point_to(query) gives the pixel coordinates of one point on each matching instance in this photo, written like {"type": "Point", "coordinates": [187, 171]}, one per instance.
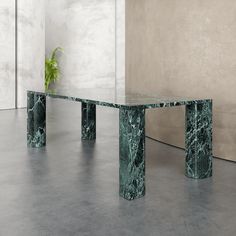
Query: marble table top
{"type": "Point", "coordinates": [119, 99]}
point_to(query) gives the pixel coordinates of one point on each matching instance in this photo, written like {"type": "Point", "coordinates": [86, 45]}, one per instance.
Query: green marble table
{"type": "Point", "coordinates": [198, 132]}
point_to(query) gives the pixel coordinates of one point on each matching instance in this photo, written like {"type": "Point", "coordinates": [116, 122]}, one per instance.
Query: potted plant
{"type": "Point", "coordinates": [52, 71]}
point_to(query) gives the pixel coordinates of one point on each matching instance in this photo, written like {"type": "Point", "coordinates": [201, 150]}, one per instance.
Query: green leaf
{"type": "Point", "coordinates": [52, 71]}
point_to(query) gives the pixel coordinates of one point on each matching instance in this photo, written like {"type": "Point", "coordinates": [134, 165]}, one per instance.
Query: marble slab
{"type": "Point", "coordinates": [132, 108]}
{"type": "Point", "coordinates": [119, 99]}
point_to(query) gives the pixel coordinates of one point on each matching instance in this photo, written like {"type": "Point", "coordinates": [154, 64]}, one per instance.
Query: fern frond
{"type": "Point", "coordinates": [52, 70]}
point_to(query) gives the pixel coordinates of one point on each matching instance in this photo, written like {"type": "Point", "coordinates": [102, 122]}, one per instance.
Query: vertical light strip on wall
{"type": "Point", "coordinates": [16, 54]}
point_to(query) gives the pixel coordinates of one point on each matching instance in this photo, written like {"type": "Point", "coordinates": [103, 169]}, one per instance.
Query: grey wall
{"type": "Point", "coordinates": [120, 44]}
{"type": "Point", "coordinates": [184, 48]}
{"type": "Point", "coordinates": [92, 33]}
{"type": "Point", "coordinates": [7, 55]}
{"type": "Point", "coordinates": [85, 29]}
{"type": "Point", "coordinates": [30, 50]}
{"type": "Point", "coordinates": [31, 47]}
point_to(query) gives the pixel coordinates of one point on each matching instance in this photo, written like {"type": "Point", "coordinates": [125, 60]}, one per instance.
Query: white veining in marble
{"type": "Point", "coordinates": [7, 55]}
{"type": "Point", "coordinates": [85, 29]}
{"type": "Point", "coordinates": [31, 47]}
{"type": "Point", "coordinates": [120, 44]}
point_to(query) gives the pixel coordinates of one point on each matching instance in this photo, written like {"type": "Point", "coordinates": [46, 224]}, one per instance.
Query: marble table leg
{"type": "Point", "coordinates": [199, 140]}
{"type": "Point", "coordinates": [36, 120]}
{"type": "Point", "coordinates": [132, 153]}
{"type": "Point", "coordinates": [88, 125]}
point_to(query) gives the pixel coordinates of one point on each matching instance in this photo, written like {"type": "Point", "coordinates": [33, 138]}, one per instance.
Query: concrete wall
{"type": "Point", "coordinates": [184, 48]}
{"type": "Point", "coordinates": [7, 55]}
{"type": "Point", "coordinates": [31, 47]}
{"type": "Point", "coordinates": [92, 33]}
{"type": "Point", "coordinates": [120, 44]}
{"type": "Point", "coordinates": [85, 29]}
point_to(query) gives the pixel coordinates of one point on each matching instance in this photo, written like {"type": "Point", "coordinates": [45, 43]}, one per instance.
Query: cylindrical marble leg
{"type": "Point", "coordinates": [88, 121]}
{"type": "Point", "coordinates": [199, 140]}
{"type": "Point", "coordinates": [132, 153]}
{"type": "Point", "coordinates": [36, 119]}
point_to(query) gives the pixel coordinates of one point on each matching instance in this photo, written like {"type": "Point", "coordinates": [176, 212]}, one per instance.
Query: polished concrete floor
{"type": "Point", "coordinates": [71, 187]}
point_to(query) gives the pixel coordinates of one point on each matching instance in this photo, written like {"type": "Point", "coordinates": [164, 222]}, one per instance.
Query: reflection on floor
{"type": "Point", "coordinates": [71, 187]}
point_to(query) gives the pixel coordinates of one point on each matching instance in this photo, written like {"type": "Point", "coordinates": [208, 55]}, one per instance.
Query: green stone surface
{"type": "Point", "coordinates": [88, 122]}
{"type": "Point", "coordinates": [36, 120]}
{"type": "Point", "coordinates": [132, 153]}
{"type": "Point", "coordinates": [199, 140]}
{"type": "Point", "coordinates": [119, 99]}
{"type": "Point", "coordinates": [132, 129]}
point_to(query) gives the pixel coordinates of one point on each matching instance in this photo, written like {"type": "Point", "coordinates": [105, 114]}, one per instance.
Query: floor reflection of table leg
{"type": "Point", "coordinates": [88, 124]}
{"type": "Point", "coordinates": [36, 119]}
{"type": "Point", "coordinates": [199, 140]}
{"type": "Point", "coordinates": [132, 153]}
